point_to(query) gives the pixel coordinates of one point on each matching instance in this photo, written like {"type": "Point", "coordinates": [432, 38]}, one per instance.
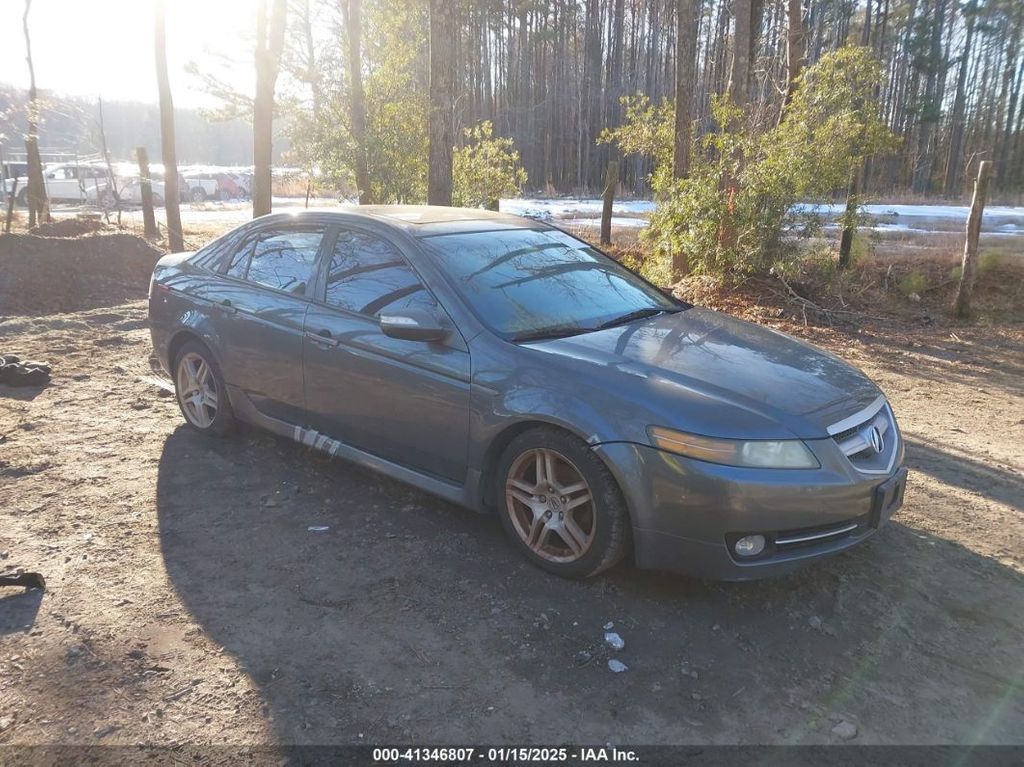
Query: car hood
{"type": "Point", "coordinates": [709, 359]}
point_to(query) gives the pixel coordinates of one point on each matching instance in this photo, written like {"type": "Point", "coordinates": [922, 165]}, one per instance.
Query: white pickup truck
{"type": "Point", "coordinates": [68, 182]}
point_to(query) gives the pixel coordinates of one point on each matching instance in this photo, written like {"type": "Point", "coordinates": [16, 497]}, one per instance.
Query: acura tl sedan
{"type": "Point", "coordinates": [506, 366]}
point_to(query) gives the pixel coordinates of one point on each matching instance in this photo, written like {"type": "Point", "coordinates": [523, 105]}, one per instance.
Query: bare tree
{"type": "Point", "coordinates": [688, 15]}
{"type": "Point", "coordinates": [353, 26]}
{"type": "Point", "coordinates": [739, 80]}
{"type": "Point", "coordinates": [795, 49]}
{"type": "Point", "coordinates": [38, 204]}
{"type": "Point", "coordinates": [269, 45]}
{"type": "Point", "coordinates": [175, 238]}
{"type": "Point", "coordinates": [442, 94]}
{"type": "Point", "coordinates": [111, 177]}
{"type": "Point", "coordinates": [962, 304]}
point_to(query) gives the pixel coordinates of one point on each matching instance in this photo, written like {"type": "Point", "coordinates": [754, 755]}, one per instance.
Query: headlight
{"type": "Point", "coordinates": [753, 453]}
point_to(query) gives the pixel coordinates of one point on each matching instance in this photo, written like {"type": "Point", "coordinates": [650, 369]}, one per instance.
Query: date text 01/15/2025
{"type": "Point", "coordinates": [504, 754]}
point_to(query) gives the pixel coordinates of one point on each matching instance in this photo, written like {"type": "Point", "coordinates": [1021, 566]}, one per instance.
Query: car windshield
{"type": "Point", "coordinates": [529, 284]}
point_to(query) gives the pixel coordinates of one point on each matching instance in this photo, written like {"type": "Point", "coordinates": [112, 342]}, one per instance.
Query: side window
{"type": "Point", "coordinates": [368, 275]}
{"type": "Point", "coordinates": [283, 260]}
{"type": "Point", "coordinates": [240, 260]}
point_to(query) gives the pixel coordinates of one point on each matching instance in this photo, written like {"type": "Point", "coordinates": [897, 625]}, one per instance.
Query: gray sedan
{"type": "Point", "coordinates": [507, 366]}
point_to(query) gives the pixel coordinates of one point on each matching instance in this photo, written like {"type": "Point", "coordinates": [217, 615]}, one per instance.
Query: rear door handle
{"type": "Point", "coordinates": [226, 306]}
{"type": "Point", "coordinates": [322, 337]}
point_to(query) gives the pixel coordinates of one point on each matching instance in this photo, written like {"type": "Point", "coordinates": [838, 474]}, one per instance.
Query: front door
{"type": "Point", "coordinates": [259, 306]}
{"type": "Point", "coordinates": [405, 401]}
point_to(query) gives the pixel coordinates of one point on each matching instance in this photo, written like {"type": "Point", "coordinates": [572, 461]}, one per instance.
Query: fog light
{"type": "Point", "coordinates": [749, 546]}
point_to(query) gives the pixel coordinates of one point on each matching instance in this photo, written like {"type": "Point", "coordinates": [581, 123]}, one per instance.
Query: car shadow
{"type": "Point", "coordinates": [18, 610]}
{"type": "Point", "coordinates": [962, 470]}
{"type": "Point", "coordinates": [23, 393]}
{"type": "Point", "coordinates": [367, 612]}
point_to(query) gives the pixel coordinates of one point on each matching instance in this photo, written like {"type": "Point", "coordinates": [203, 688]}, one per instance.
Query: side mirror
{"type": "Point", "coordinates": [412, 325]}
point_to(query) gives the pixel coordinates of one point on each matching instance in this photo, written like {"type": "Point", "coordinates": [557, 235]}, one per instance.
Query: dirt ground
{"type": "Point", "coordinates": [189, 600]}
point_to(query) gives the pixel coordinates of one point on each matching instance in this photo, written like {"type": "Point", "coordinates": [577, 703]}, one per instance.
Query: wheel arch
{"type": "Point", "coordinates": [183, 336]}
{"type": "Point", "coordinates": [501, 440]}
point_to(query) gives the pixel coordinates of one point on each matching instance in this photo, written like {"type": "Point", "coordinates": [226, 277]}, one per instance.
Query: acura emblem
{"type": "Point", "coordinates": [874, 437]}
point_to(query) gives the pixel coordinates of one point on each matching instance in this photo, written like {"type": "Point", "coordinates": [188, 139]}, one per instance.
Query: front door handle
{"type": "Point", "coordinates": [322, 337]}
{"type": "Point", "coordinates": [226, 306]}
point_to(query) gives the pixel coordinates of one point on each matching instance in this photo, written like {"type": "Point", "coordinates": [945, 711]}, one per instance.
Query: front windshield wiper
{"type": "Point", "coordinates": [560, 331]}
{"type": "Point", "coordinates": [638, 314]}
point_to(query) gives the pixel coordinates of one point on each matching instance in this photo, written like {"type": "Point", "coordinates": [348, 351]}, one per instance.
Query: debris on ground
{"type": "Point", "coordinates": [15, 371]}
{"type": "Point", "coordinates": [845, 730]}
{"type": "Point", "coordinates": [613, 640]}
{"type": "Point", "coordinates": [318, 528]}
{"type": "Point", "coordinates": [27, 580]}
{"type": "Point", "coordinates": [617, 666]}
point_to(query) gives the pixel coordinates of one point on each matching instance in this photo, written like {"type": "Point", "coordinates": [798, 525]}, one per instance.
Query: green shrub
{"type": "Point", "coordinates": [914, 282]}
{"type": "Point", "coordinates": [485, 169]}
{"type": "Point", "coordinates": [734, 213]}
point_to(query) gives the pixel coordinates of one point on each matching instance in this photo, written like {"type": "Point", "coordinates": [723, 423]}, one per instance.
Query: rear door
{"type": "Point", "coordinates": [406, 401]}
{"type": "Point", "coordinates": [259, 306]}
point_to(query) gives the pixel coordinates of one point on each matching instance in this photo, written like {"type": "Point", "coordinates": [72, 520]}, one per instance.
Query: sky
{"type": "Point", "coordinates": [105, 47]}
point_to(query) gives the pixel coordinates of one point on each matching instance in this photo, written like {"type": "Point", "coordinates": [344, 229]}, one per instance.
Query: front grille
{"type": "Point", "coordinates": [869, 438]}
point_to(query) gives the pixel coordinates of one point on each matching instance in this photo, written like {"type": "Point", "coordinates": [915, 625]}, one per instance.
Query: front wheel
{"type": "Point", "coordinates": [560, 505]}
{"type": "Point", "coordinates": [200, 390]}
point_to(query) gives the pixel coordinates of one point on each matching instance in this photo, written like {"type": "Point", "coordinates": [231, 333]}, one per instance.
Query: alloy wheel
{"type": "Point", "coordinates": [550, 505]}
{"type": "Point", "coordinates": [197, 390]}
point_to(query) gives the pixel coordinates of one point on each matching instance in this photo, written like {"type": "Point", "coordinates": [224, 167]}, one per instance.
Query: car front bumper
{"type": "Point", "coordinates": [687, 513]}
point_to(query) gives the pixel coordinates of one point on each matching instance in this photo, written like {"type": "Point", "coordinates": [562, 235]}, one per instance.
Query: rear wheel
{"type": "Point", "coordinates": [197, 194]}
{"type": "Point", "coordinates": [560, 505]}
{"type": "Point", "coordinates": [200, 390]}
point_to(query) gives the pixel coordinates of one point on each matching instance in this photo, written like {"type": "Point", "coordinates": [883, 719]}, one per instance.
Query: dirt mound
{"type": "Point", "coordinates": [43, 275]}
{"type": "Point", "coordinates": [71, 227]}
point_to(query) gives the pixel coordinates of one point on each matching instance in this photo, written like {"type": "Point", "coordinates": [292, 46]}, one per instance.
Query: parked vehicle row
{"type": "Point", "coordinates": [91, 184]}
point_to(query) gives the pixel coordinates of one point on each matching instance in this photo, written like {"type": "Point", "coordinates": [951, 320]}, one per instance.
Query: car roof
{"type": "Point", "coordinates": [420, 220]}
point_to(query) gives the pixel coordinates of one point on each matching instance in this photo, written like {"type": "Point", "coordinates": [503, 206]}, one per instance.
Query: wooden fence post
{"type": "Point", "coordinates": [148, 216]}
{"type": "Point", "coordinates": [611, 180]}
{"type": "Point", "coordinates": [10, 206]}
{"type": "Point", "coordinates": [962, 305]}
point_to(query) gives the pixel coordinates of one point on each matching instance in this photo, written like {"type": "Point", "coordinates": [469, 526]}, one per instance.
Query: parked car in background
{"type": "Point", "coordinates": [68, 182]}
{"type": "Point", "coordinates": [507, 366]}
{"type": "Point", "coordinates": [202, 186]}
{"type": "Point", "coordinates": [130, 190]}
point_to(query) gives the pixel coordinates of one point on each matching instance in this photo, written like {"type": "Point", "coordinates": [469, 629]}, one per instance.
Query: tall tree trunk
{"type": "Point", "coordinates": [925, 142]}
{"type": "Point", "coordinates": [1008, 101]}
{"type": "Point", "coordinates": [38, 204]}
{"type": "Point", "coordinates": [175, 239]}
{"type": "Point", "coordinates": [442, 99]}
{"type": "Point", "coordinates": [739, 79]}
{"type": "Point", "coordinates": [795, 50]}
{"type": "Point", "coordinates": [269, 44]}
{"type": "Point", "coordinates": [353, 26]}
{"type": "Point", "coordinates": [953, 183]}
{"type": "Point", "coordinates": [688, 15]}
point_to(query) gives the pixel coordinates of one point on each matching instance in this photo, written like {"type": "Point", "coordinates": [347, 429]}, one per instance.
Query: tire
{"type": "Point", "coordinates": [158, 200]}
{"type": "Point", "coordinates": [22, 198]}
{"type": "Point", "coordinates": [562, 531]}
{"type": "Point", "coordinates": [214, 418]}
{"type": "Point", "coordinates": [197, 194]}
